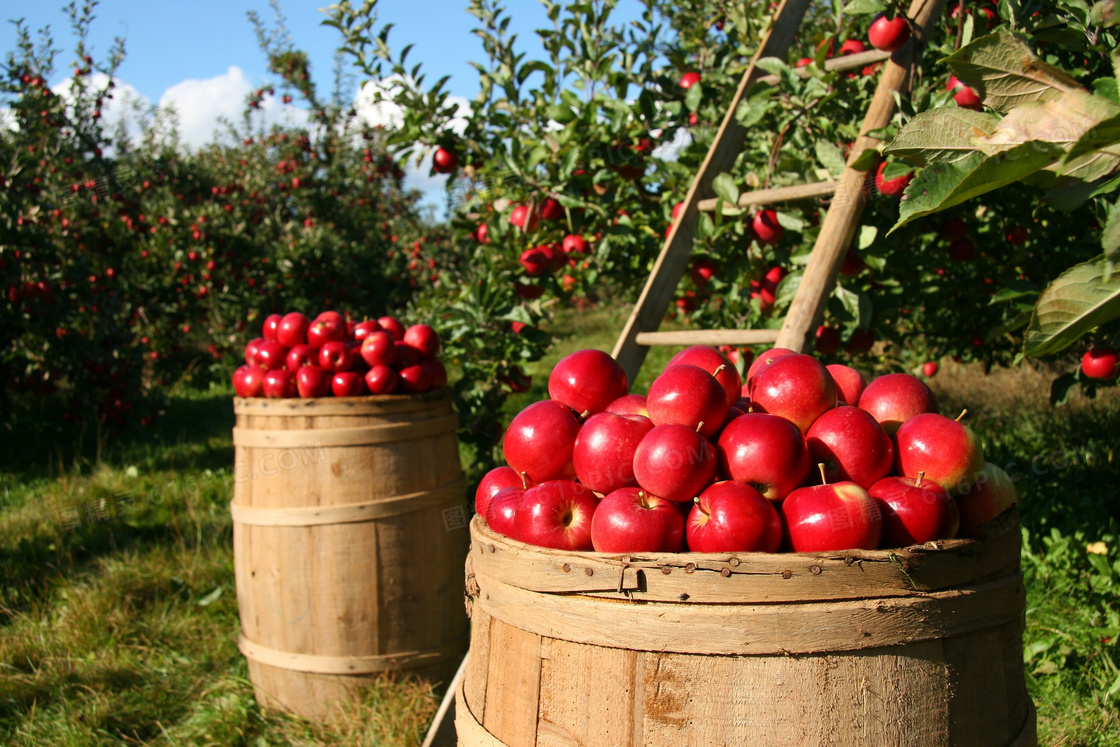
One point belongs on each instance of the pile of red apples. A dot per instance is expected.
(801, 457)
(333, 356)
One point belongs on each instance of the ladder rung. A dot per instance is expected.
(839, 64)
(709, 337)
(776, 195)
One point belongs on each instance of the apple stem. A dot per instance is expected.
(824, 480)
(642, 498)
(963, 413)
(719, 370)
(921, 478)
(585, 415)
(699, 426)
(524, 481)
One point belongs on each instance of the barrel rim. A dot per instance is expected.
(302, 404)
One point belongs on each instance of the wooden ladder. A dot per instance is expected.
(850, 194)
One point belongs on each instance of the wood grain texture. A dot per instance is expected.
(728, 143)
(326, 604)
(709, 337)
(776, 195)
(513, 682)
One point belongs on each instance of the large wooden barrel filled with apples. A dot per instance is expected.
(773, 598)
(349, 534)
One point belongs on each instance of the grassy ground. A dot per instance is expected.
(118, 615)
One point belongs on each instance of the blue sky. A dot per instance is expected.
(202, 55)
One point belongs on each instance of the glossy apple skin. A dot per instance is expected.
(675, 462)
(574, 244)
(688, 396)
(888, 34)
(766, 452)
(948, 452)
(766, 227)
(892, 399)
(335, 356)
(271, 326)
(423, 338)
(930, 368)
(323, 331)
(851, 445)
(362, 330)
(313, 381)
(347, 384)
(300, 356)
(603, 455)
(629, 404)
(710, 359)
(492, 483)
(732, 517)
(556, 514)
(379, 349)
(292, 330)
(849, 383)
(502, 510)
(838, 516)
(415, 379)
(540, 440)
(797, 387)
(587, 381)
(764, 360)
(280, 383)
(629, 520)
(333, 317)
(914, 513)
(248, 381)
(1100, 364)
(989, 493)
(382, 380)
(252, 348)
(393, 326)
(271, 355)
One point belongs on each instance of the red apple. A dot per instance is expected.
(828, 340)
(587, 381)
(892, 399)
(271, 355)
(523, 219)
(407, 356)
(535, 262)
(502, 511)
(688, 396)
(436, 371)
(271, 326)
(393, 327)
(252, 348)
(989, 493)
(715, 363)
(892, 187)
(248, 381)
(851, 445)
(551, 210)
(444, 161)
(279, 383)
(851, 46)
(702, 271)
(629, 404)
(764, 360)
(849, 383)
(689, 79)
(335, 356)
(381, 379)
(915, 511)
(300, 356)
(379, 349)
(888, 34)
(540, 440)
(766, 452)
(292, 330)
(492, 483)
(965, 97)
(929, 368)
(1099, 364)
(423, 338)
(347, 384)
(574, 244)
(323, 331)
(675, 462)
(603, 455)
(556, 514)
(797, 387)
(629, 520)
(362, 330)
(732, 517)
(947, 451)
(830, 517)
(333, 317)
(766, 227)
(415, 379)
(312, 381)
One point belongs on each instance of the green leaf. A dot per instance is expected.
(211, 597)
(693, 98)
(1110, 238)
(864, 7)
(1060, 389)
(1104, 133)
(831, 157)
(1006, 73)
(1076, 302)
(943, 185)
(561, 113)
(1104, 13)
(941, 135)
(786, 290)
(724, 187)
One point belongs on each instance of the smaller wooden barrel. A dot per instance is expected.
(349, 534)
(917, 647)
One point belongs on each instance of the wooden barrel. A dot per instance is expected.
(920, 647)
(349, 534)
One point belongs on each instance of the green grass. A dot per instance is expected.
(121, 629)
